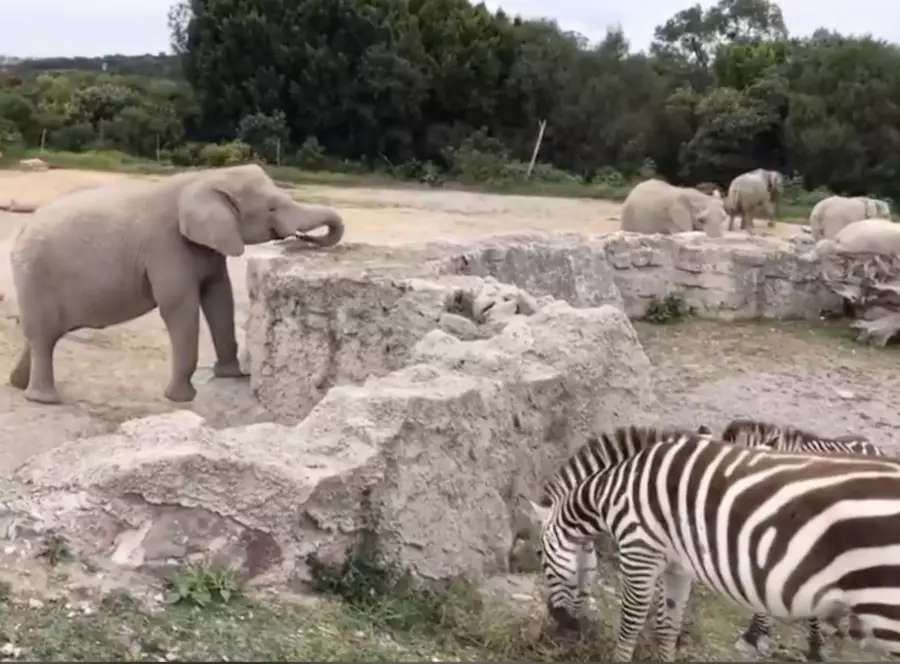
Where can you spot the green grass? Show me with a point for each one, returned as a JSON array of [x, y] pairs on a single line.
[[458, 623], [115, 161]]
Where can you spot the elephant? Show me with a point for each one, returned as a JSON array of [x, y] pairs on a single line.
[[108, 254], [832, 214], [866, 236], [654, 206], [751, 192]]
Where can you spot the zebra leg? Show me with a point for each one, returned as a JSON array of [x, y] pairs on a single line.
[[674, 593], [640, 569], [586, 558], [757, 639], [816, 640]]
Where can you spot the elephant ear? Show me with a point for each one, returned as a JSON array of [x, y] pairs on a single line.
[[871, 208], [209, 215]]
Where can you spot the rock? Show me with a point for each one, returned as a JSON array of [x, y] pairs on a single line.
[[736, 276], [432, 458], [318, 319], [569, 267]]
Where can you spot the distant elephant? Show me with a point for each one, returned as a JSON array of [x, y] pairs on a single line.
[[752, 192], [654, 206], [867, 236], [832, 214], [108, 254]]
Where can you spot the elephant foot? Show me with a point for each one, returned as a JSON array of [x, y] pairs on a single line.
[[47, 395], [230, 369], [180, 392]]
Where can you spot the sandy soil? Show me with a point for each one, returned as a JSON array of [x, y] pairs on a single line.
[[111, 375]]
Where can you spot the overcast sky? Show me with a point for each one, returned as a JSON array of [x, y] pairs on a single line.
[[42, 28]]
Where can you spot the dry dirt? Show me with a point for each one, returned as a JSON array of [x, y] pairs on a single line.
[[111, 375]]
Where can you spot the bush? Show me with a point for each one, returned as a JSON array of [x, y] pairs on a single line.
[[225, 154], [670, 308]]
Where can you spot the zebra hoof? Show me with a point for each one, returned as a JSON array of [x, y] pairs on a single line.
[[763, 648]]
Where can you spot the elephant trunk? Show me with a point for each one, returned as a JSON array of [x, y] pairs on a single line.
[[309, 218]]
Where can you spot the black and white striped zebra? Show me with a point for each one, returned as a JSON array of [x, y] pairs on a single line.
[[796, 536], [600, 451], [782, 438], [757, 433]]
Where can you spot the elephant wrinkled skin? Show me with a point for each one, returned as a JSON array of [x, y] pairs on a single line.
[[654, 206], [752, 192], [105, 255], [832, 214]]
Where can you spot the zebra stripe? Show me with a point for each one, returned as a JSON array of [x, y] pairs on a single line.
[[791, 535], [755, 433]]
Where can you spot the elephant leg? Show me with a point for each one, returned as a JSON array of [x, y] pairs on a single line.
[[217, 302], [18, 377], [181, 315], [41, 382], [772, 214]]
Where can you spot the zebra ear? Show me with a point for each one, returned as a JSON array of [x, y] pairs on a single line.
[[704, 430], [540, 515]]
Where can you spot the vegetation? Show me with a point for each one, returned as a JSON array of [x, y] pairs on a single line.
[[670, 308], [437, 90]]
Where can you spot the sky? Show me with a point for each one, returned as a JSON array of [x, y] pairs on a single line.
[[45, 28]]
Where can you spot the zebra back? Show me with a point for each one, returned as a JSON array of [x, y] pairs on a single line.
[[756, 433], [601, 451]]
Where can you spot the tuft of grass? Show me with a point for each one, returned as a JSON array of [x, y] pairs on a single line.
[[55, 550], [670, 308]]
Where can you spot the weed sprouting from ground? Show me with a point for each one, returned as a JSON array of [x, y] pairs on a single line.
[[55, 550], [670, 308], [202, 584]]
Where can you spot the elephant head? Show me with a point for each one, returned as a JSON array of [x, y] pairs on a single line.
[[227, 208], [712, 217], [877, 208], [774, 183]]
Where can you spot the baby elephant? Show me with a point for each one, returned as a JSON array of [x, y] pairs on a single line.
[[105, 255]]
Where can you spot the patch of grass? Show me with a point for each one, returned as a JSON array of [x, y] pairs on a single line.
[[670, 308], [55, 550]]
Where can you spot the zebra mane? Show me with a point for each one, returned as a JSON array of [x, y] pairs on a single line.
[[603, 450], [769, 433]]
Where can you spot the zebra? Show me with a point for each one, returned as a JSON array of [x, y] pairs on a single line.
[[785, 534], [755, 433], [601, 451]]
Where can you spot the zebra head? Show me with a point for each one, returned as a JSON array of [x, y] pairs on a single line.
[[567, 566]]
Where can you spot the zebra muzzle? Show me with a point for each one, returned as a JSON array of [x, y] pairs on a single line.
[[563, 620]]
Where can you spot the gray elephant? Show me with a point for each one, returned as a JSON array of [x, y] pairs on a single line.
[[108, 254], [832, 214], [654, 206], [867, 236], [752, 192]]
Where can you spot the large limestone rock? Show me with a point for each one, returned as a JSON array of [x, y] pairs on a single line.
[[431, 457], [320, 319], [736, 276]]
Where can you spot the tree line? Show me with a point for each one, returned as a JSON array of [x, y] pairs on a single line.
[[427, 87]]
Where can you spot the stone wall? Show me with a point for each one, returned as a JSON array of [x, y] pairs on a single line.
[[320, 319]]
